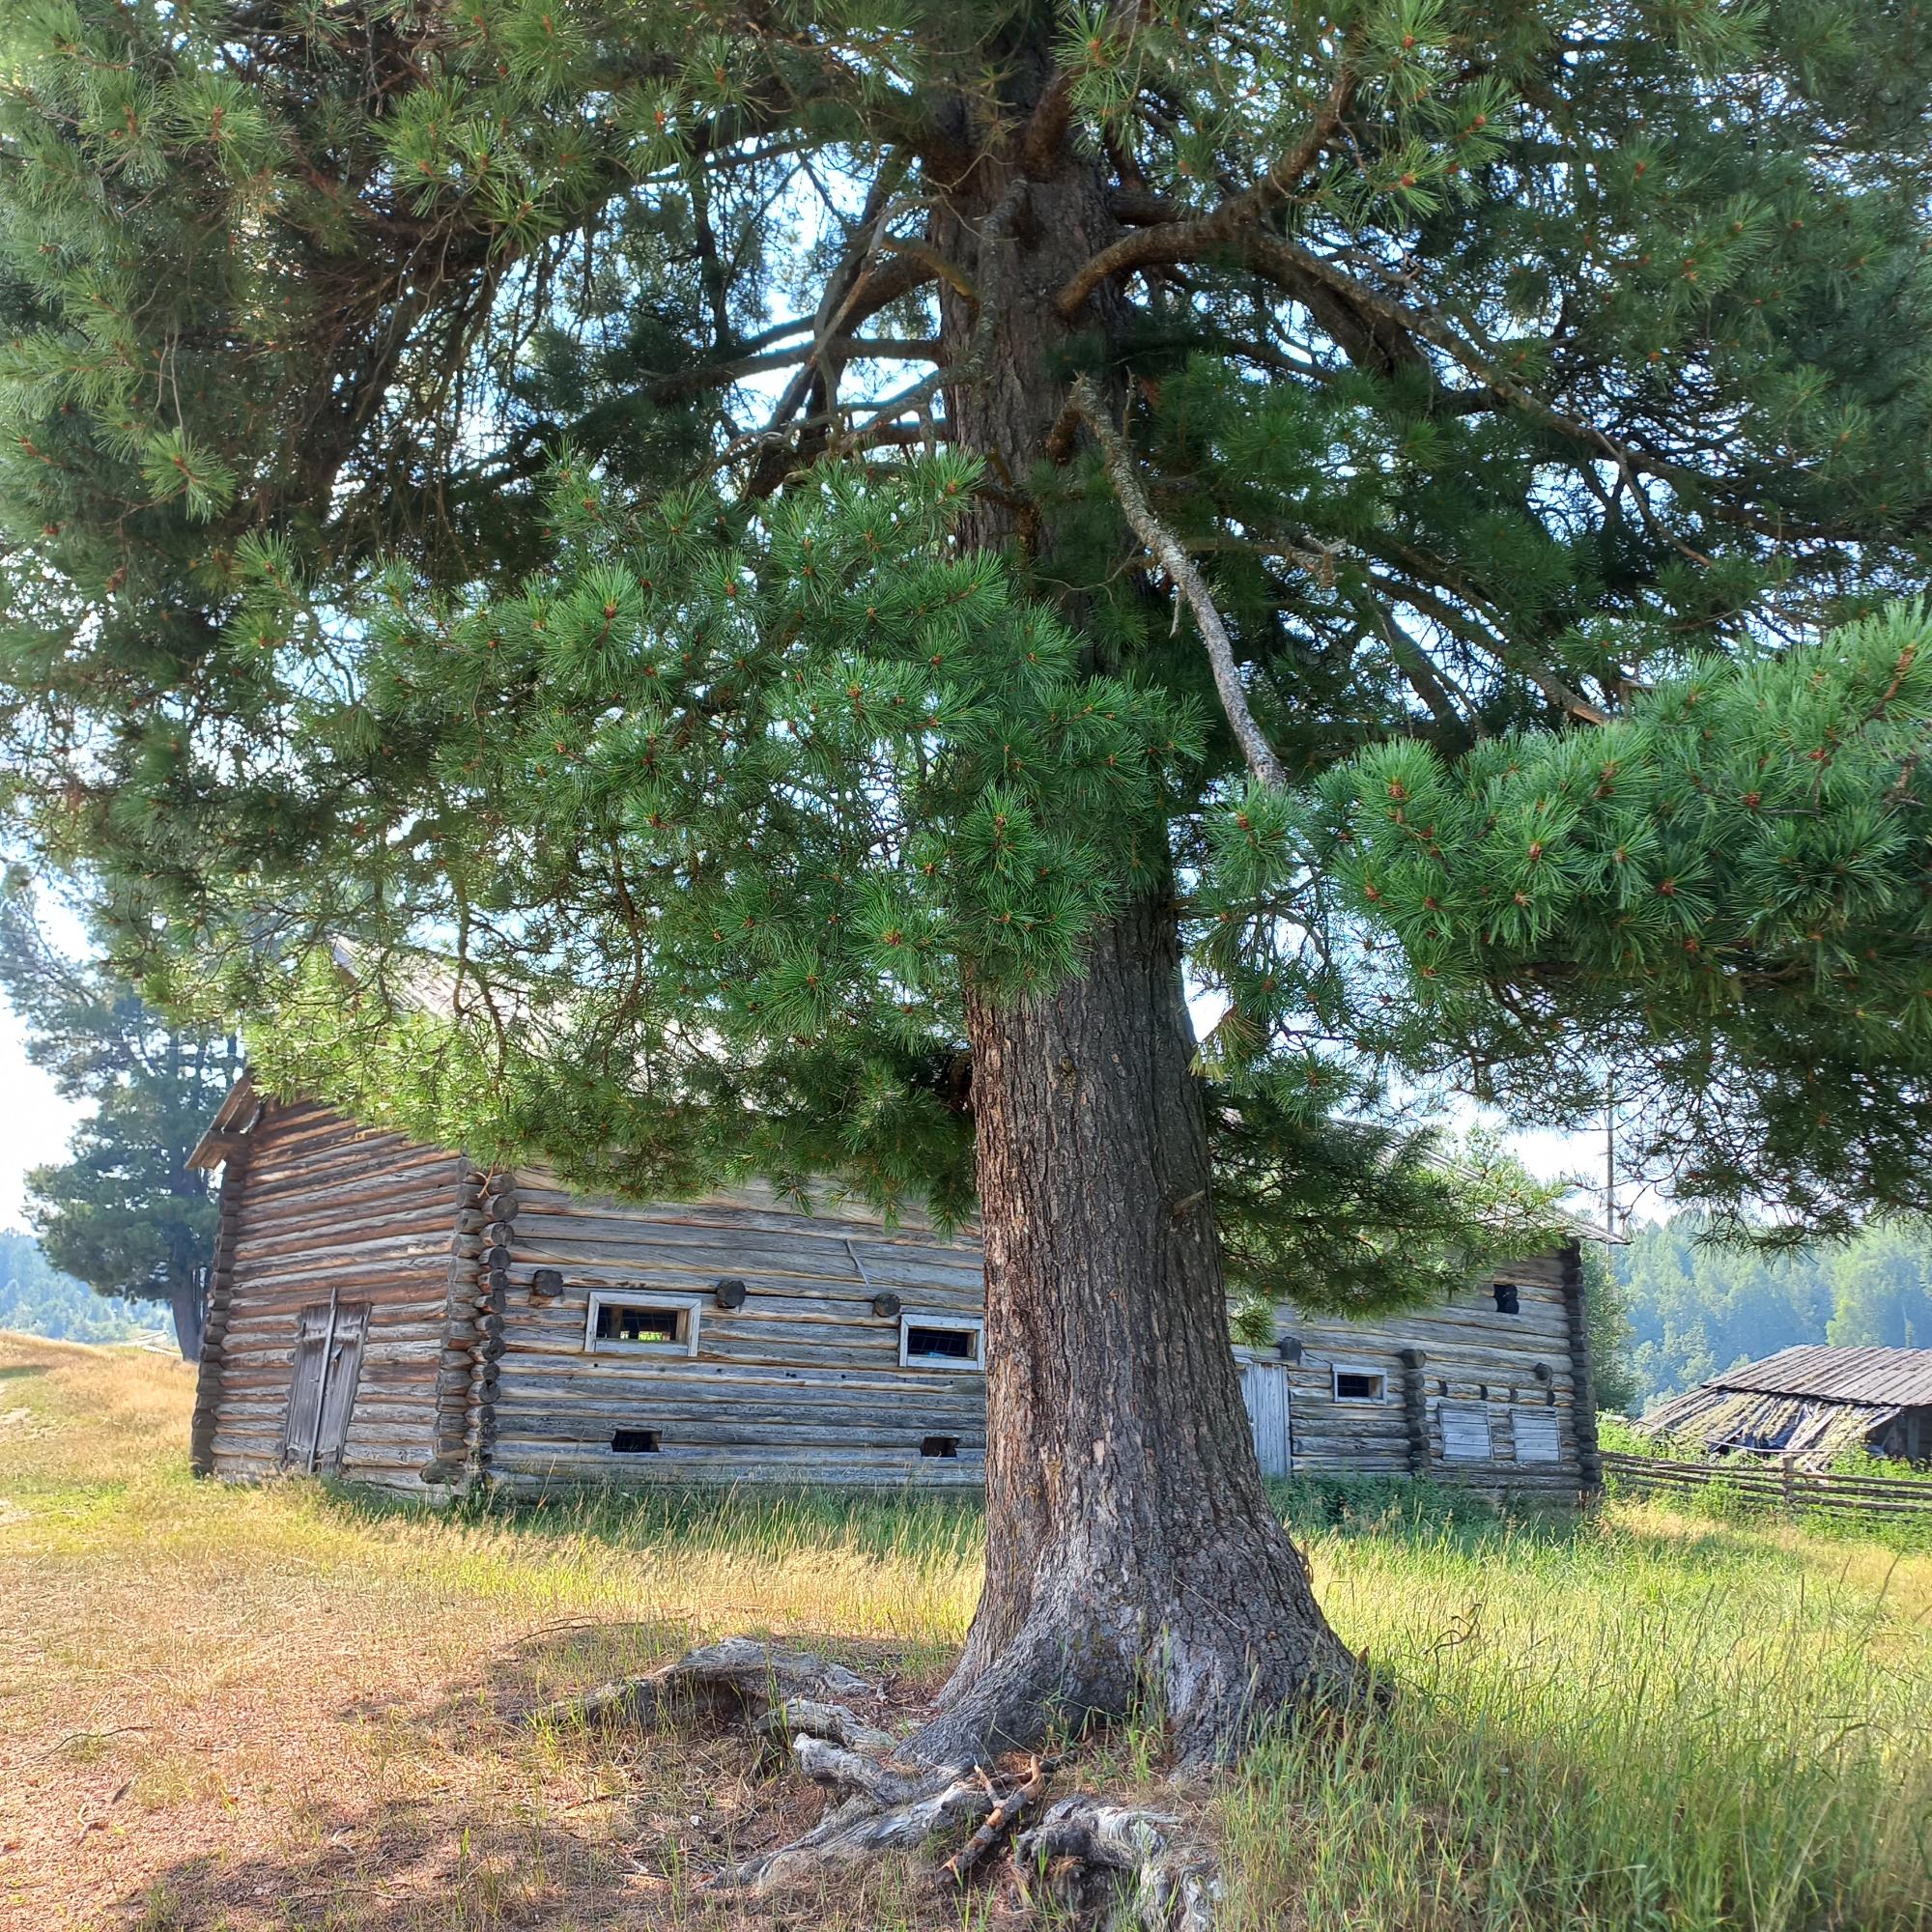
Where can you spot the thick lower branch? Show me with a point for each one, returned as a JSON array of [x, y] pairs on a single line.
[[1166, 549]]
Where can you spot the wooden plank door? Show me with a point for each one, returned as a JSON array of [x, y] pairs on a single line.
[[321, 1388], [299, 1429], [1264, 1392], [338, 1385]]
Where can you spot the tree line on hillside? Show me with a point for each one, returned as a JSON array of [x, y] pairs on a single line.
[[1696, 1307], [36, 1298]]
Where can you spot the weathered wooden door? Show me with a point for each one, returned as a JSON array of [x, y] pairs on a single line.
[[322, 1389], [1264, 1391]]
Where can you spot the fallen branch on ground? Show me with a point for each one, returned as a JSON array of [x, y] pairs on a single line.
[[1088, 1849], [1002, 1819]]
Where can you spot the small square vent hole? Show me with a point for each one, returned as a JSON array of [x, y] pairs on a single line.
[[636, 1443], [939, 1445]]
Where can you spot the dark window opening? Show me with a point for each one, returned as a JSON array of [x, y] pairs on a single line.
[[636, 1443], [939, 1445], [1506, 1301], [626, 1321], [1353, 1385], [955, 1343]]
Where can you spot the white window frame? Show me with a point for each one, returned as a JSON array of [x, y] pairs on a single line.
[[689, 1307], [974, 1325], [1337, 1370]]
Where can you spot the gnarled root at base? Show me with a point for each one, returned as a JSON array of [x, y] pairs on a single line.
[[1132, 1866], [769, 1688], [1214, 1678]]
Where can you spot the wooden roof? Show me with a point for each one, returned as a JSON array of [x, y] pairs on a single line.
[[1886, 1377], [231, 1123]]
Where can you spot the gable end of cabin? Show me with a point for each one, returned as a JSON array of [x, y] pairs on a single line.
[[336, 1340]]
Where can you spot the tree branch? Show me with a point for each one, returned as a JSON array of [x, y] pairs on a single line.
[[1166, 549], [1157, 246]]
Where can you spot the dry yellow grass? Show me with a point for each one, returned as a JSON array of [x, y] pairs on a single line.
[[290, 1708]]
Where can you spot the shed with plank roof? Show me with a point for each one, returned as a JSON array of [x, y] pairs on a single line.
[[391, 1313], [1809, 1404]]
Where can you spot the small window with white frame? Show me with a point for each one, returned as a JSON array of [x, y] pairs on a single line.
[[1357, 1381], [941, 1341], [625, 1321]]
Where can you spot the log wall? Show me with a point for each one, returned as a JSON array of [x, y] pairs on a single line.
[[801, 1383], [1465, 1353], [318, 1205], [477, 1367]]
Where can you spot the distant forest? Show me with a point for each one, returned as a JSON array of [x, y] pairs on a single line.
[[37, 1299], [1695, 1308]]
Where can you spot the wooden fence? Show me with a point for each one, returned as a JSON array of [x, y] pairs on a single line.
[[1774, 1485]]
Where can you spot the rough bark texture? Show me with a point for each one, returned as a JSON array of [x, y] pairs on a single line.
[[1132, 1552], [1133, 1556]]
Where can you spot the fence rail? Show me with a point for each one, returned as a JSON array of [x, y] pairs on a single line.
[[1774, 1485]]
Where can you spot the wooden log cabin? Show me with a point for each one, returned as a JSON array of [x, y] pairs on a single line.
[[387, 1313]]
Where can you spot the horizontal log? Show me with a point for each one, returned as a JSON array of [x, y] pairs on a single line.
[[833, 1442], [346, 1169], [765, 1346], [530, 1366], [392, 1317], [809, 1465], [537, 1198], [375, 1278], [558, 1241], [416, 1251]]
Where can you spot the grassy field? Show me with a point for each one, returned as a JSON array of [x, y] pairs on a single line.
[[293, 1708]]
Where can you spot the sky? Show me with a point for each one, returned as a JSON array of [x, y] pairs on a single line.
[[35, 1121]]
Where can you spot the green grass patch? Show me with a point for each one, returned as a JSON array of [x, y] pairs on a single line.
[[1635, 1717]]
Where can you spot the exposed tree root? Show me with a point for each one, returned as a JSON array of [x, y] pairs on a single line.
[[768, 1689], [861, 1829], [1133, 1866], [1129, 1870]]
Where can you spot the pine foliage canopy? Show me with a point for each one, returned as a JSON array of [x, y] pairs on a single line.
[[489, 483]]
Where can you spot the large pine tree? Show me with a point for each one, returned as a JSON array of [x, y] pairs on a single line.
[[827, 563]]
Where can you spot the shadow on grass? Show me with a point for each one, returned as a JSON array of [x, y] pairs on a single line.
[[425, 1865], [16, 1371], [543, 1830]]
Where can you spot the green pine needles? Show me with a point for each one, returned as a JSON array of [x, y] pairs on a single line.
[[552, 566], [1727, 891]]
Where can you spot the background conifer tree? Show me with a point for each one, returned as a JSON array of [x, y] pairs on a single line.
[[826, 564], [124, 1212]]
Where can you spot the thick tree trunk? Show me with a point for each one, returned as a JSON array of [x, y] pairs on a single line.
[[1133, 1559]]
